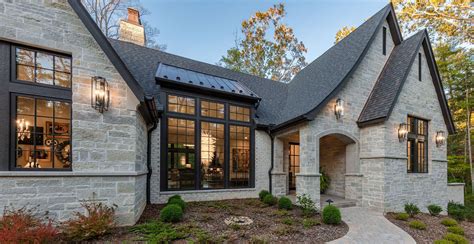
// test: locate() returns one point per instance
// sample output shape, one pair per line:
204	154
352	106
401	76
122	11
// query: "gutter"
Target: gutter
151	107
271	161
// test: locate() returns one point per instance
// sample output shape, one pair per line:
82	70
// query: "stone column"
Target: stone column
307	181
278	173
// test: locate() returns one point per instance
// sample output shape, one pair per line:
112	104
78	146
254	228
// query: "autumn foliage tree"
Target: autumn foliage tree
345	31
277	56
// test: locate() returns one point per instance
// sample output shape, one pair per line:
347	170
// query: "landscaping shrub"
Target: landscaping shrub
180	202
287	221
270	200
262	194
456	210
416	224
331	215
98	221
307	205
449	222
158	232
174	197
25	225
411	209
308	223
324	181
285	203
434	209
171	213
456	230
402	216
458	239
443	241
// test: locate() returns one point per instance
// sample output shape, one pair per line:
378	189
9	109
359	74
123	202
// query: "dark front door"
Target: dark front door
294	159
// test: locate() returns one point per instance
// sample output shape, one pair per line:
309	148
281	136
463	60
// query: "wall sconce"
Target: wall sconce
402	132
339	108
440	138
100	94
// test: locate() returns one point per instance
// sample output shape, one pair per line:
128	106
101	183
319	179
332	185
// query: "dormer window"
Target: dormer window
419	66
384	40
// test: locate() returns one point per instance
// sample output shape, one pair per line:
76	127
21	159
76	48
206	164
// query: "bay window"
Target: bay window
208	144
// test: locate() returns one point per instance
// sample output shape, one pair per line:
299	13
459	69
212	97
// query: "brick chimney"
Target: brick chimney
131	29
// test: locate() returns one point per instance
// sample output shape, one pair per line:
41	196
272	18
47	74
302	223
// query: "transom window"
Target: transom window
43	68
180	104
239	113
42	133
417	145
206	149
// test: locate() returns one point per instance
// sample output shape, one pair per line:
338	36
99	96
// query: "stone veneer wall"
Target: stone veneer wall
355	94
109	149
417	98
262	165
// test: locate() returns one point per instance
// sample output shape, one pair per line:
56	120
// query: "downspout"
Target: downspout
271	161
148	162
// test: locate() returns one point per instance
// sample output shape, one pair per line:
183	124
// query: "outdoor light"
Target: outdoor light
329	201
23	129
402	132
339	108
100	94
440	138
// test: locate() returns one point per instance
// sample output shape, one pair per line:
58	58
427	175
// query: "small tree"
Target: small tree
345	31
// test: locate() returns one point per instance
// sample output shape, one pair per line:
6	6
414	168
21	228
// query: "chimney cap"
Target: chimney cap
133	16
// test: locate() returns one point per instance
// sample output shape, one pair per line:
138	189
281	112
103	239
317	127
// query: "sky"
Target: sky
205	29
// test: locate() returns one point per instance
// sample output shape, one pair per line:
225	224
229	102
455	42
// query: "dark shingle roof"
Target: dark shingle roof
386	90
281	102
203	81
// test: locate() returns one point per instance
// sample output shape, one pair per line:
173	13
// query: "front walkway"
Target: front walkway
367	226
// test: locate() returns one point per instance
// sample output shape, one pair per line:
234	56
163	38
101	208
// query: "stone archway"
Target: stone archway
339	159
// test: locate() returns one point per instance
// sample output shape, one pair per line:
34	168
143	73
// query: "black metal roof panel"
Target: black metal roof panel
203	81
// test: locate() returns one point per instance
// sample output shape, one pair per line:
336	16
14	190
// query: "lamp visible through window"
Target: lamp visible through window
100	94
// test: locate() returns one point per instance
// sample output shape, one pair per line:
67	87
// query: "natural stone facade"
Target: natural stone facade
109	159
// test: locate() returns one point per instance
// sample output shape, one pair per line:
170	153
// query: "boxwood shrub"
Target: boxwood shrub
171	213
269	199
178	201
285	203
434	209
331	215
262	194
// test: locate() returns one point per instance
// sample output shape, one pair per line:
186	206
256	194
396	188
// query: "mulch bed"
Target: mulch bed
434	229
267	224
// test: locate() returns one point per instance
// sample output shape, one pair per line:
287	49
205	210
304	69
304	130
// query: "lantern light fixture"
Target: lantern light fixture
402	132
100	94
23	128
440	138
339	108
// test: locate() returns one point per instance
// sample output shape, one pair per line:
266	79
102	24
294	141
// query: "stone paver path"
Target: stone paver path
367	226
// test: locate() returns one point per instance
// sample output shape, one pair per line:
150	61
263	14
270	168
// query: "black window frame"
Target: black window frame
17	88
415	139
198	118
419	66
384	40
14	68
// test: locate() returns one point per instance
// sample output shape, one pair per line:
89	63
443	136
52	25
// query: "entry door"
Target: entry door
294	164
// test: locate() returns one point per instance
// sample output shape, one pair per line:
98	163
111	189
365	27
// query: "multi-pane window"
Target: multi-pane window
294	163
212	109
417	145
212	155
181	104
181	153
209	148
42	133
239	113
240	155
41	67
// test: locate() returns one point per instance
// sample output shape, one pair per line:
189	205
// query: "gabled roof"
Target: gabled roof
385	93
205	82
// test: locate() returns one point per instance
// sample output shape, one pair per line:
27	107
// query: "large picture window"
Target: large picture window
42	133
417	148
206	148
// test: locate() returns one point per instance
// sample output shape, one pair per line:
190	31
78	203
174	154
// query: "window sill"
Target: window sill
67	174
206	191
